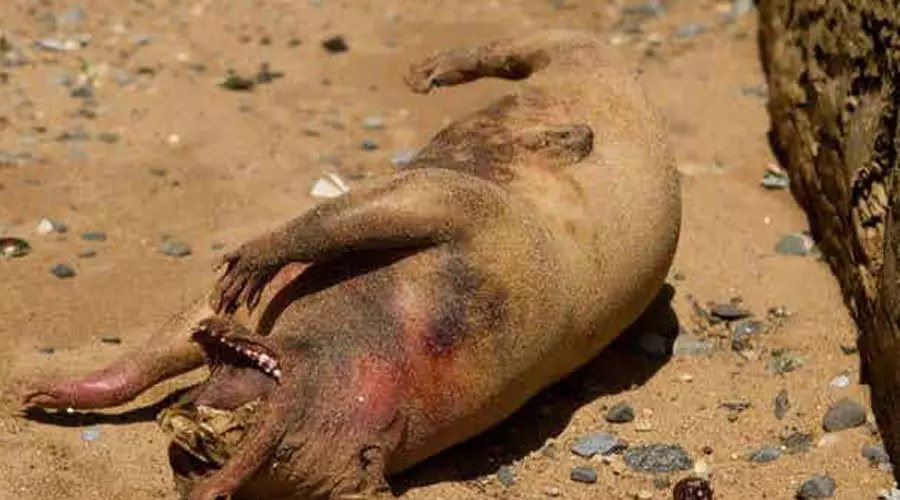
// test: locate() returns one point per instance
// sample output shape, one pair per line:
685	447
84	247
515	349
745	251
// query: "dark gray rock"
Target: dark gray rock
845	414
62	271
369	145
817	487
93	236
335	44
781	404
728	312
658	458
584	474
763	455
620	413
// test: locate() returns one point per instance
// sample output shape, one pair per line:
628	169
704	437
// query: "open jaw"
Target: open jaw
209	423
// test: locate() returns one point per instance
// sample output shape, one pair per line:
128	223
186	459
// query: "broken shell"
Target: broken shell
14	247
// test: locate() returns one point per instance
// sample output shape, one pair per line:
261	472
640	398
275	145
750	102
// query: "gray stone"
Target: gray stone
62	271
728	312
93	236
658	458
781	404
742	334
369	145
817	487
620	413
875	454
689	345
584	474
763	455
600	443
771	180
505	476
845	414
175	248
795	244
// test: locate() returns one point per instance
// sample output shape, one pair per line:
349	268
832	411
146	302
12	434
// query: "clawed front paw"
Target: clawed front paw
247	271
443	69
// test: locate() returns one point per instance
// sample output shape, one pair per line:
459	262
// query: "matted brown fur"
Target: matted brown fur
418	310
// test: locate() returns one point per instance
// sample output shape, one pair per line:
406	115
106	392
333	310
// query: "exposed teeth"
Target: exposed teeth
263	361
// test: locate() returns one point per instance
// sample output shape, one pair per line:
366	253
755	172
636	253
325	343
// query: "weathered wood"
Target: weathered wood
833	68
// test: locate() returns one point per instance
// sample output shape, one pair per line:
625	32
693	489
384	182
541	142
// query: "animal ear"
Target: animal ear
570	143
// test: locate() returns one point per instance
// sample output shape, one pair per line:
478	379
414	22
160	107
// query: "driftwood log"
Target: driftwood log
833	69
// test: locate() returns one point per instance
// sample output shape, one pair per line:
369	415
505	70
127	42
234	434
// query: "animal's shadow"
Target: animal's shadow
619	367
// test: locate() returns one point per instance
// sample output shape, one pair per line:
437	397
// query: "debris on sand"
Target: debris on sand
329	186
11	248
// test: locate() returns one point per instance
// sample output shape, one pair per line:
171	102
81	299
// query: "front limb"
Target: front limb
419	208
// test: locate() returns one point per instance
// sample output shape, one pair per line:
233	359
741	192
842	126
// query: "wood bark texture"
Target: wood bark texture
833	70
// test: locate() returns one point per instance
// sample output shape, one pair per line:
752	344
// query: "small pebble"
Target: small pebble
845	414
742	334
369	145
584	474
11	248
403	158
176	248
47	350
506	476
690	345
111	340
840	382
728	312
93	236
781	404
335	44
373	123
658	458
552	491
92	433
235	82
875	454
329	186
85	91
763	455
772	180
795	244
692	488
87	254
620	413
817	487
47	226
109	137
62	271
600	443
